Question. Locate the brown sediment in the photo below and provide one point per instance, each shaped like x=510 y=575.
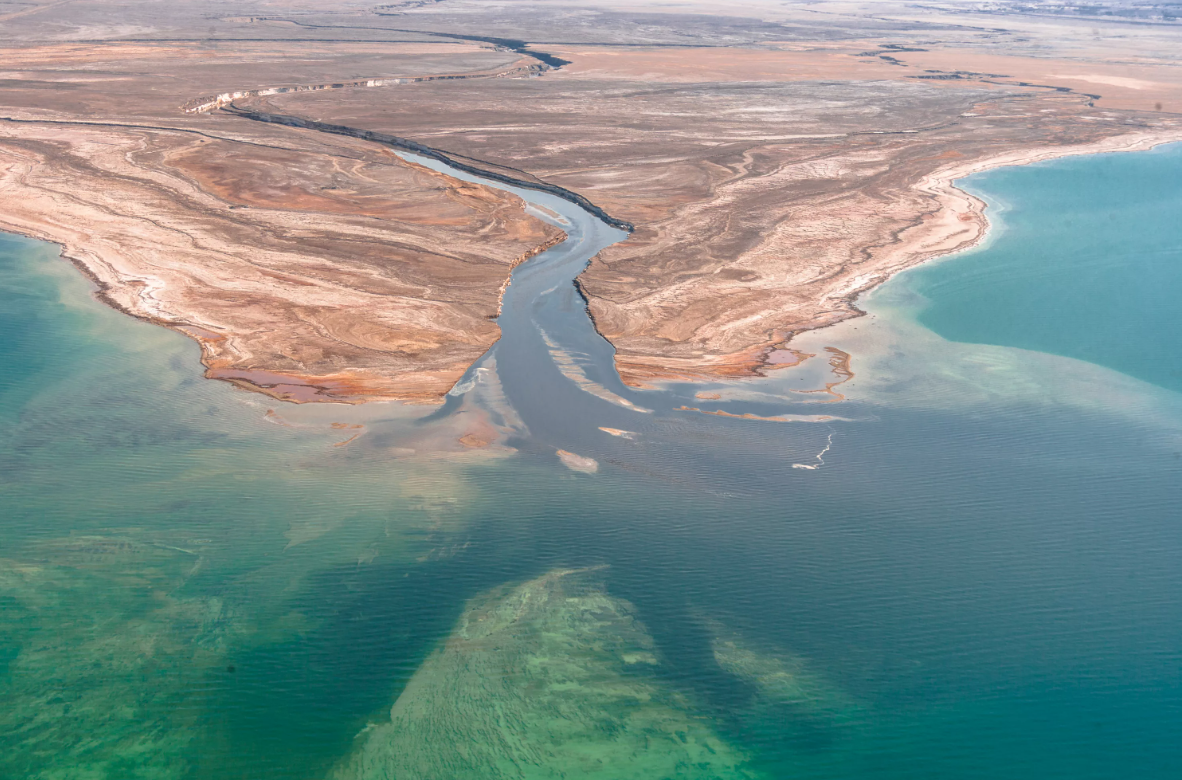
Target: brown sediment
x=645 y=371
x=768 y=215
x=296 y=389
x=956 y=223
x=784 y=357
x=349 y=275
x=308 y=268
x=272 y=416
x=473 y=441
x=578 y=462
x=347 y=441
x=619 y=433
x=839 y=363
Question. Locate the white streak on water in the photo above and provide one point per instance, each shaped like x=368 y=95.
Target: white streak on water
x=820 y=457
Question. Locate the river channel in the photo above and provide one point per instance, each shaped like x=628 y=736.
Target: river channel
x=935 y=558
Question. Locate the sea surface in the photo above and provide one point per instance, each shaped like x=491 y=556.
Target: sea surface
x=954 y=551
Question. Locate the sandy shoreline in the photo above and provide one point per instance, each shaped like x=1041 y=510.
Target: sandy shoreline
x=961 y=211
x=312 y=264
x=960 y=224
x=382 y=286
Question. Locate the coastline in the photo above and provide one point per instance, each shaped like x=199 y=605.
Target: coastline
x=958 y=223
x=957 y=203
x=347 y=387
x=154 y=245
x=960 y=212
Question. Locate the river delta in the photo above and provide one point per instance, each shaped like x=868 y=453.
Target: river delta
x=947 y=549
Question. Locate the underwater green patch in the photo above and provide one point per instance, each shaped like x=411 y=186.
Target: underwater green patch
x=553 y=678
x=105 y=667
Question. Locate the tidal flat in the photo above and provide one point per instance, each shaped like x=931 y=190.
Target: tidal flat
x=190 y=590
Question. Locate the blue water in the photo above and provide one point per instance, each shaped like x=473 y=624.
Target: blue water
x=1092 y=273
x=981 y=580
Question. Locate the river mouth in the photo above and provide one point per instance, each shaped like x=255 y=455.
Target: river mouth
x=979 y=576
x=550 y=382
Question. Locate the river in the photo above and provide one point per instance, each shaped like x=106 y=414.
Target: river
x=959 y=560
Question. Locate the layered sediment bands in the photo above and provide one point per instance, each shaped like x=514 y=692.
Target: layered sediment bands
x=761 y=209
x=490 y=172
x=553 y=678
x=894 y=209
x=308 y=266
x=309 y=271
x=769 y=186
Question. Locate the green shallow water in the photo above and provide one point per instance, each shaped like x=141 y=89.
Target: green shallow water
x=981 y=580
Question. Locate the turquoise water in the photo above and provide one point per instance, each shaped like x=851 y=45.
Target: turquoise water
x=1093 y=273
x=980 y=580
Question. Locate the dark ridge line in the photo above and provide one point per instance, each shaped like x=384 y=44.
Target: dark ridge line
x=435 y=154
x=642 y=45
x=521 y=47
x=508 y=43
x=530 y=176
x=310 y=26
x=159 y=128
x=1061 y=90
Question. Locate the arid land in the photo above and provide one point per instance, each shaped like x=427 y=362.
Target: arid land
x=775 y=161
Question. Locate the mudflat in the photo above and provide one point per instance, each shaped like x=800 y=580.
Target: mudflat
x=763 y=208
x=775 y=164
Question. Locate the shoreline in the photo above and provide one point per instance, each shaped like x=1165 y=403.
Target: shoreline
x=942 y=184
x=133 y=287
x=281 y=386
x=959 y=223
x=959 y=203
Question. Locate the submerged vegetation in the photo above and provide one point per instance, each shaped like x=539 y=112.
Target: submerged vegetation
x=103 y=667
x=552 y=678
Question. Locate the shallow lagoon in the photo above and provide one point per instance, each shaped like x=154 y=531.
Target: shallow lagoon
x=981 y=579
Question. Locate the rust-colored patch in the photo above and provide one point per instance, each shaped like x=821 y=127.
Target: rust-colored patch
x=296 y=389
x=839 y=363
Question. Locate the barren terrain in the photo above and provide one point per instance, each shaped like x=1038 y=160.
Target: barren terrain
x=776 y=161
x=765 y=196
x=308 y=267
